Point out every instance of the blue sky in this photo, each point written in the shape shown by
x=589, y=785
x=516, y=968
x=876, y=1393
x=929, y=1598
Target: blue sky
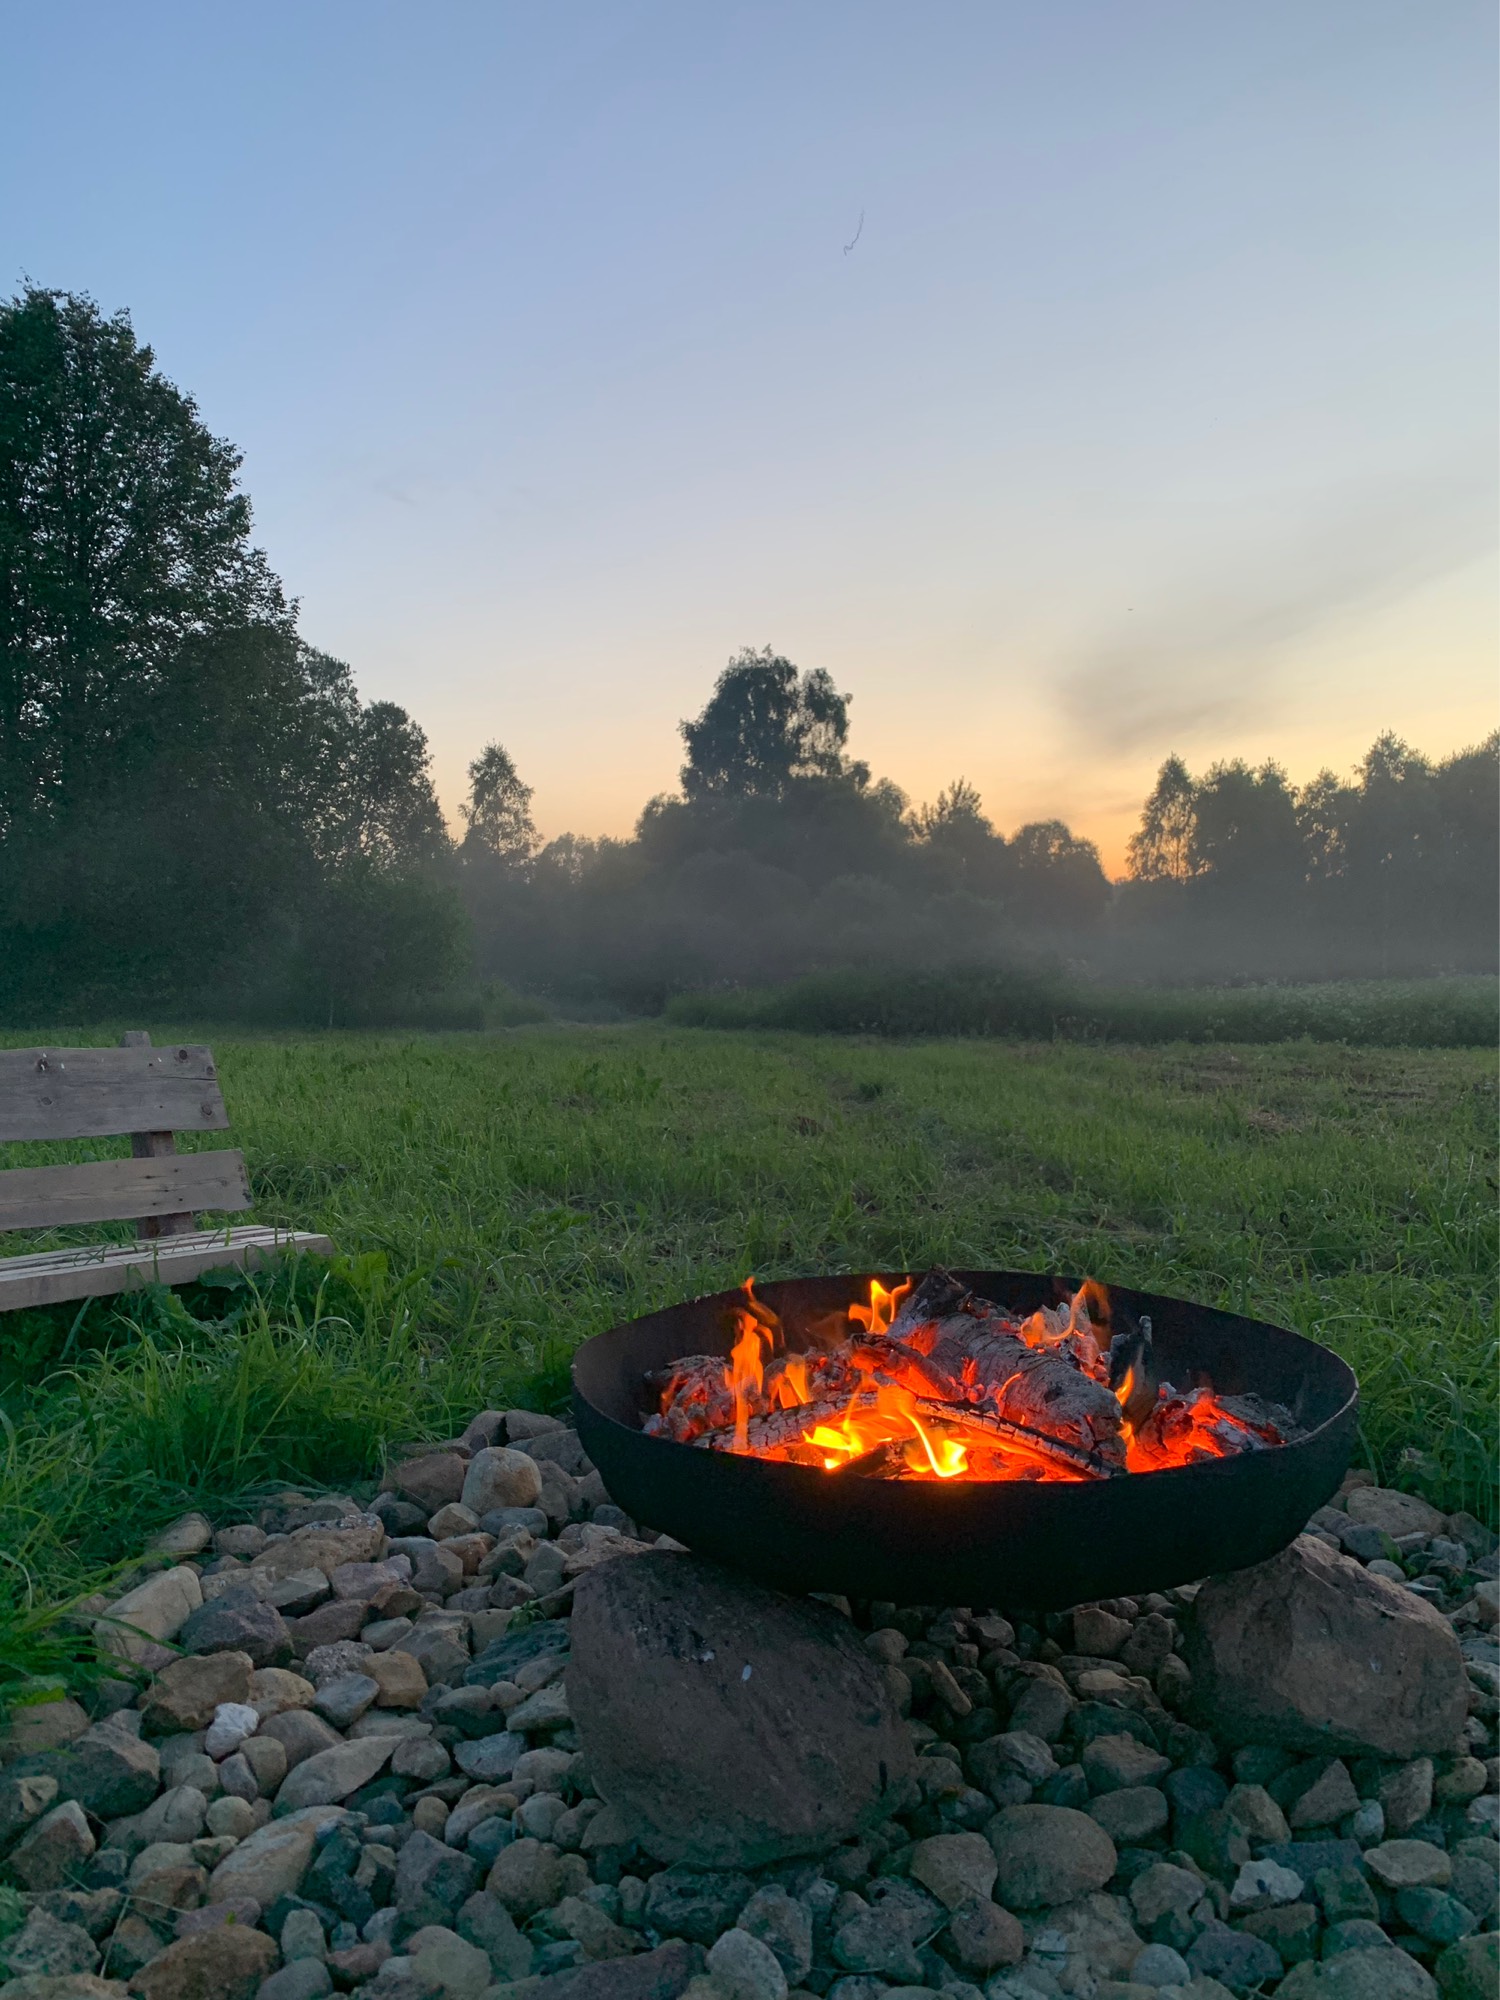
x=1152, y=408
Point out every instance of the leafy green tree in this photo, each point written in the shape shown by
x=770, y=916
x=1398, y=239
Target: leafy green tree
x=1057, y=879
x=497, y=812
x=764, y=727
x=122, y=537
x=1245, y=837
x=1161, y=849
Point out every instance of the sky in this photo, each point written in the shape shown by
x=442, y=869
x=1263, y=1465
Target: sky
x=1077, y=383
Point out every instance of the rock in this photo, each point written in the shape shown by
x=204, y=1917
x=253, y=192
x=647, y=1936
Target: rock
x=1312, y=1652
x=431, y=1480
x=1048, y=1854
x=681, y=1670
x=1015, y=1753
x=332, y=1775
x=1163, y=1899
x=306, y=1979
x=330, y=1625
x=186, y=1692
x=277, y=1690
x=22, y=1801
x=530, y=1874
x=1262, y=1884
x=1471, y=1970
x=300, y=1733
x=135, y=1624
x=1158, y=1965
x=544, y=1710
x=178, y=1815
x=1409, y=1864
x=1253, y=1808
x=343, y=1701
x=1344, y=1893
x=1406, y=1795
x=985, y=1937
x=1328, y=1799
x=694, y=1904
x=784, y=1926
x=958, y=1868
x=41, y=1725
x=272, y=1861
x=483, y=1920
x=1132, y=1815
x=1042, y=1709
x=663, y=1974
x=54, y=1850
x=1439, y=1918
x=295, y=1595
x=1354, y=1934
x=225, y=1963
x=48, y=1947
x=238, y=1621
x=460, y=1970
x=1381, y=1973
x=592, y=1927
x=499, y=1477
x=1113, y=1763
x=1237, y=1959
x=231, y=1818
x=267, y=1760
x=746, y=1968
x=432, y=1879
x=879, y=1941
x=107, y=1770
x=232, y=1722
x=237, y=1777
x=1395, y=1514
x=1291, y=1930
x=490, y=1757
x=68, y=1986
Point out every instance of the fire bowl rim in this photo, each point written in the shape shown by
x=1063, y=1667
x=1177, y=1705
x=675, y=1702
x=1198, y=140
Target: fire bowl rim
x=1040, y=1544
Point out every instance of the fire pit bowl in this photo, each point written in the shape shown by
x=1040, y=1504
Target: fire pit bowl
x=981, y=1543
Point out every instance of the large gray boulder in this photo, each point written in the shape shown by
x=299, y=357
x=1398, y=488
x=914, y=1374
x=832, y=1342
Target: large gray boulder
x=1313, y=1652
x=731, y=1725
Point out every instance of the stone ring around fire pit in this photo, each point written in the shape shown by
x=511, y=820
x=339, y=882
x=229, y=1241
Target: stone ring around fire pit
x=1044, y=1545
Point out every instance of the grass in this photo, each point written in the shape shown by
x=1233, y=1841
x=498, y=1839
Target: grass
x=497, y=1198
x=1429, y=1013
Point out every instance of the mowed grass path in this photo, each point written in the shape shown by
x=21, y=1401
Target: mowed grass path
x=501, y=1197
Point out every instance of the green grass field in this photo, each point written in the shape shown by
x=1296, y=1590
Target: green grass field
x=498, y=1198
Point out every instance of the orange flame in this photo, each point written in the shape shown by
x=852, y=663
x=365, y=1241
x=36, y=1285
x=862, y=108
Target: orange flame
x=876, y=1317
x=746, y=1372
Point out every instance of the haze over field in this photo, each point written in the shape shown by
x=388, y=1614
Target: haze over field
x=1074, y=385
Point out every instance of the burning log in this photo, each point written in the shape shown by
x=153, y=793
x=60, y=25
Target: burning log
x=933, y=1382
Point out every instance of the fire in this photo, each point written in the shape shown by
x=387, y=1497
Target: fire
x=876, y=1317
x=957, y=1388
x=747, y=1364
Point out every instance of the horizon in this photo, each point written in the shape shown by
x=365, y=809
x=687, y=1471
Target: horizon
x=1074, y=390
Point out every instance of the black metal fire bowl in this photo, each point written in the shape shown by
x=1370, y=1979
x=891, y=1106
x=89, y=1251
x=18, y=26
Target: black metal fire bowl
x=996, y=1543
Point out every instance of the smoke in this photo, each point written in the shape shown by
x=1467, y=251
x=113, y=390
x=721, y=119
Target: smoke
x=1215, y=653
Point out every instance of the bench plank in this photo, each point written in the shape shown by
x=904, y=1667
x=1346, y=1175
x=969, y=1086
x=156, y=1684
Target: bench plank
x=122, y=1190
x=43, y=1277
x=101, y=1093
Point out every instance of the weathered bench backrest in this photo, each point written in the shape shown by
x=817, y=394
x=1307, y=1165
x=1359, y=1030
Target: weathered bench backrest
x=104, y=1093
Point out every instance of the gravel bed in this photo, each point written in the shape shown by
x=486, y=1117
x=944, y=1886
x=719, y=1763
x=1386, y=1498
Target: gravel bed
x=340, y=1756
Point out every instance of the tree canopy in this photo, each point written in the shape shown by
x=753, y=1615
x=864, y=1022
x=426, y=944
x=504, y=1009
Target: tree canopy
x=187, y=790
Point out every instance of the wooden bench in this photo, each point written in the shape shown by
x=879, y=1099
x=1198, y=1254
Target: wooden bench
x=149, y=1094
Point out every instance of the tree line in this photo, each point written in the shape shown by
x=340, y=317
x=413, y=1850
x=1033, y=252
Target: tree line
x=197, y=811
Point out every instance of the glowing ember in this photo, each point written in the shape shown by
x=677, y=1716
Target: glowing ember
x=932, y=1382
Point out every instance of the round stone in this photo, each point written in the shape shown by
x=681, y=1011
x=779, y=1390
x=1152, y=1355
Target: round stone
x=1048, y=1854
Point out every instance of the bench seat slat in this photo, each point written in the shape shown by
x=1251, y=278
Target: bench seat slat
x=101, y=1093
x=122, y=1190
x=43, y=1277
